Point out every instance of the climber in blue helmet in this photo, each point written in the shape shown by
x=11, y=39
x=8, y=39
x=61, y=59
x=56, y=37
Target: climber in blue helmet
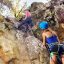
x=43, y=25
x=50, y=37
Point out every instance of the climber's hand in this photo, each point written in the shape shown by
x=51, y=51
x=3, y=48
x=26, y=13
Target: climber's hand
x=43, y=46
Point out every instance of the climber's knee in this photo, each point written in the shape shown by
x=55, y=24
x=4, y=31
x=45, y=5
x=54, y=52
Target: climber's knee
x=53, y=57
x=62, y=58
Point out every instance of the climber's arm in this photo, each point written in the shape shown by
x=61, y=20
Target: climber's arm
x=43, y=37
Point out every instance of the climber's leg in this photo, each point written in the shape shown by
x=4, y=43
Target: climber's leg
x=53, y=54
x=61, y=51
x=53, y=58
x=62, y=55
x=62, y=59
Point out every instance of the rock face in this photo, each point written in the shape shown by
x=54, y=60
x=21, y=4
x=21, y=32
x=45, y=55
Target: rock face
x=15, y=48
x=44, y=12
x=36, y=54
x=12, y=50
x=8, y=50
x=36, y=10
x=57, y=2
x=52, y=12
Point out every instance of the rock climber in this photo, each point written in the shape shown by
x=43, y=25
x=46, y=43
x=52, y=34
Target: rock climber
x=26, y=24
x=50, y=37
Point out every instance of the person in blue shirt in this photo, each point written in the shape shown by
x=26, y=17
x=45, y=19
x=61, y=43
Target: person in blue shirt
x=50, y=37
x=26, y=24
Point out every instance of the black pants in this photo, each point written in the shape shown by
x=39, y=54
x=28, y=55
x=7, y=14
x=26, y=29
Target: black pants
x=57, y=49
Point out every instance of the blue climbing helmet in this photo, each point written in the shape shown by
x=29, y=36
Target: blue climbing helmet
x=43, y=25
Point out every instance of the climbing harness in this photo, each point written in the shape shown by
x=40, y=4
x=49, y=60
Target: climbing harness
x=58, y=53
